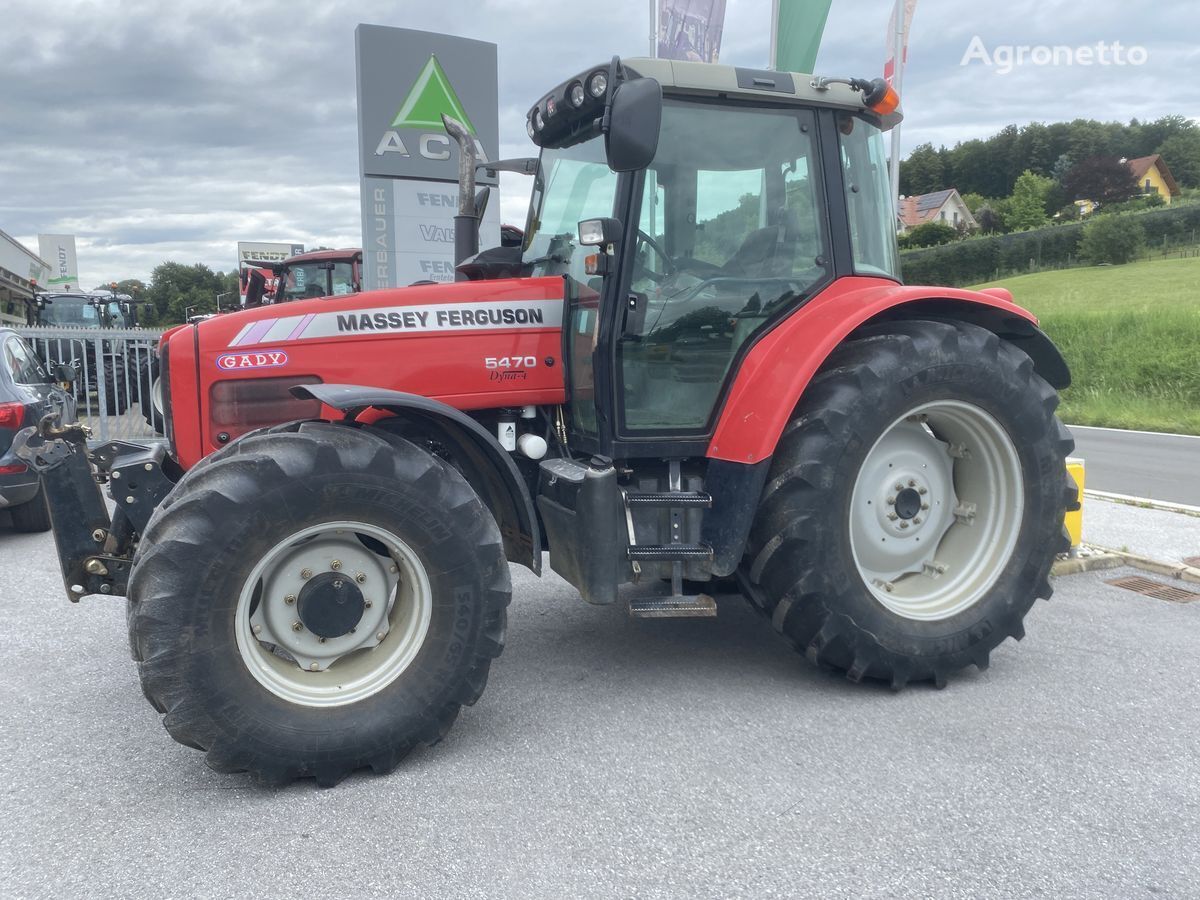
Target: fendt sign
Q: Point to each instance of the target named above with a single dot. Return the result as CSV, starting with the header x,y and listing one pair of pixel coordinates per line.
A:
x,y
409,165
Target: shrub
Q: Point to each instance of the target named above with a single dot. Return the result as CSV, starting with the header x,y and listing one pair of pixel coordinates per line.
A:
x,y
929,234
1112,239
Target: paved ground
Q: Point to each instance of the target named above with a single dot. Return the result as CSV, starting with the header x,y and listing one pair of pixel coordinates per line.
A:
x,y
1166,536
1159,466
619,758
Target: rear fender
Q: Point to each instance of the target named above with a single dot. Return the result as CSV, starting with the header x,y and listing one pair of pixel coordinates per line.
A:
x,y
776,371
486,465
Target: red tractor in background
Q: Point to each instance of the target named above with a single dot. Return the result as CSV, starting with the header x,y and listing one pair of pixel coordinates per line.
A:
x,y
705,368
318,273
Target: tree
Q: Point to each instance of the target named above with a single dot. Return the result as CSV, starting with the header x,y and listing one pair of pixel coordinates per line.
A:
x,y
1104,179
974,202
923,172
990,221
178,290
1181,153
1112,239
1027,205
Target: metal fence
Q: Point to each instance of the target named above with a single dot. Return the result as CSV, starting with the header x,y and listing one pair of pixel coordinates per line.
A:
x,y
116,377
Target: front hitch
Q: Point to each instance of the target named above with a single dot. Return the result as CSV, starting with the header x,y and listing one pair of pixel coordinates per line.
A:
x,y
95,548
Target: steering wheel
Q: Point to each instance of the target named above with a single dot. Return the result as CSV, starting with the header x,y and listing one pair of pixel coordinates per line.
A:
x,y
669,265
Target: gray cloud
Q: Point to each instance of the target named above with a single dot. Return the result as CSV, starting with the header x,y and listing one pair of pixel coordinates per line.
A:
x,y
156,130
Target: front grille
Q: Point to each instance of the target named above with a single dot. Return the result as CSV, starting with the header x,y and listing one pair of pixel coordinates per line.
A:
x,y
164,374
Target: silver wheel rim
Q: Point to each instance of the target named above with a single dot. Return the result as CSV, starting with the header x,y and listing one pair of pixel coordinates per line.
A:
x,y
300,667
156,396
936,510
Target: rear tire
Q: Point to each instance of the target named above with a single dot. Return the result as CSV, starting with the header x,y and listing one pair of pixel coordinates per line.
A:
x,y
834,557
32,517
203,602
114,388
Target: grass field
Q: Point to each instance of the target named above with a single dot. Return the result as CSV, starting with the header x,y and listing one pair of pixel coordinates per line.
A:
x,y
1131,335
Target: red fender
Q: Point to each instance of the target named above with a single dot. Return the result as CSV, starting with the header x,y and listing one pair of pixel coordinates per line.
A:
x,y
778,368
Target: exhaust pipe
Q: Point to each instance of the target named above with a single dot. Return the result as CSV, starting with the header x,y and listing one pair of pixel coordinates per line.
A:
x,y
466,222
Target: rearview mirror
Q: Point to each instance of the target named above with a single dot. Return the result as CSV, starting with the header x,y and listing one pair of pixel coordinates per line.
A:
x,y
635,119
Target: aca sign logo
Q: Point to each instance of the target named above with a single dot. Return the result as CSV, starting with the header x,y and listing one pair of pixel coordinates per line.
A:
x,y
265,359
429,97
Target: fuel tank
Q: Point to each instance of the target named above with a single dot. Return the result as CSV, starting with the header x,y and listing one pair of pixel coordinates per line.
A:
x,y
471,345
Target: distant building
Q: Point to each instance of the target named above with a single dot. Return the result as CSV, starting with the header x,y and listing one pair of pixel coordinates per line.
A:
x,y
1153,176
21,272
941,206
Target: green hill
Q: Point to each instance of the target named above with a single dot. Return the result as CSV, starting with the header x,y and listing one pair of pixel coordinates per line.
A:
x,y
1131,335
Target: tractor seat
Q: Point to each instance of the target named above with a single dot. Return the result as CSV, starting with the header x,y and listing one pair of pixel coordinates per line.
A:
x,y
767,252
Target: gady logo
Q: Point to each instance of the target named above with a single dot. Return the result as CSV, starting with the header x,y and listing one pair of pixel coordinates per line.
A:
x,y
263,359
429,97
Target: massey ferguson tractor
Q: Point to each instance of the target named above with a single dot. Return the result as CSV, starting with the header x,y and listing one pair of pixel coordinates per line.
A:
x,y
701,368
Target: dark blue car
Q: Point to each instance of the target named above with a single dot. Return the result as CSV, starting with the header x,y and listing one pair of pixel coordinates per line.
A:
x,y
28,390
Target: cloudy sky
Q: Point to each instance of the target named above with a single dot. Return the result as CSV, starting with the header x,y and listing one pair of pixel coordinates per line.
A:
x,y
171,130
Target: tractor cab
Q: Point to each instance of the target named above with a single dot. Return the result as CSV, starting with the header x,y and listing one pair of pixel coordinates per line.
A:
x,y
753,192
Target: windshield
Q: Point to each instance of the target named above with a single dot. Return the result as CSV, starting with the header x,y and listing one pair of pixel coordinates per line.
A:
x,y
313,280
868,198
78,312
573,183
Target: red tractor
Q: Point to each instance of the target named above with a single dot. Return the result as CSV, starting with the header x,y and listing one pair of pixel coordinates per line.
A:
x,y
706,370
318,273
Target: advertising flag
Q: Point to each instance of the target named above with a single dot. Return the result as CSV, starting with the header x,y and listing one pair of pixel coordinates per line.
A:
x,y
796,29
59,251
897,42
690,29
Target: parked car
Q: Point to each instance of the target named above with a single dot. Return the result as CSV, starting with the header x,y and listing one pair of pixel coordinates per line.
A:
x,y
28,390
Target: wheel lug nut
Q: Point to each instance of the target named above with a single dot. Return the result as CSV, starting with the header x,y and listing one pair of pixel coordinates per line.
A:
x,y
923,491
899,486
912,482
289,599
360,577
903,524
306,574
296,626
891,501
335,565
379,635
314,667
924,506
916,520
892,517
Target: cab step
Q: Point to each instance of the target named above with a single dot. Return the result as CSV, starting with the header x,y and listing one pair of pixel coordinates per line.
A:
x,y
675,607
670,551
669,498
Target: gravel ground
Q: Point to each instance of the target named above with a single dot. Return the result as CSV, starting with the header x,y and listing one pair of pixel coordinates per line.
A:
x,y
612,757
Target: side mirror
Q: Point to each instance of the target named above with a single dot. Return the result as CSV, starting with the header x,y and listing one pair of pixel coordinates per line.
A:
x,y
64,374
635,119
481,202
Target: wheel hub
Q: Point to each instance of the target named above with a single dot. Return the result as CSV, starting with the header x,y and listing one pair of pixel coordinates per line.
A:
x,y
330,605
908,503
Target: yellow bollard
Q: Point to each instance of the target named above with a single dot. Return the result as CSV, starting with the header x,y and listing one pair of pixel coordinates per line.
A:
x,y
1074,520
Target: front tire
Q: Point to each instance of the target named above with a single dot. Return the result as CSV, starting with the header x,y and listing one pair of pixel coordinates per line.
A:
x,y
922,431
315,601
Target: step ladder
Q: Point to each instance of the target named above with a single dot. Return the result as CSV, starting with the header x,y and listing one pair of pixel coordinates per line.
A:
x,y
676,500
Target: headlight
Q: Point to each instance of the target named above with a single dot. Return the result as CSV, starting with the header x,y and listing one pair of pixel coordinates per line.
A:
x,y
577,95
598,84
538,122
529,128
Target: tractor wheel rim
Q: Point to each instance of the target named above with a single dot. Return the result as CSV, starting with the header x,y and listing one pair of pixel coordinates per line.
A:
x,y
292,583
936,510
156,396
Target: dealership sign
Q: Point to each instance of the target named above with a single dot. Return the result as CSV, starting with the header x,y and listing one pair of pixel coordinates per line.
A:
x,y
409,166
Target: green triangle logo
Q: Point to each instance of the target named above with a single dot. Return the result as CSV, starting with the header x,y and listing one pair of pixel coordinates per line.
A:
x,y
429,97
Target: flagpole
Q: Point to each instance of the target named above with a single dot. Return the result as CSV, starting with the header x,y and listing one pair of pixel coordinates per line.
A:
x,y
653,28
772,62
897,71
